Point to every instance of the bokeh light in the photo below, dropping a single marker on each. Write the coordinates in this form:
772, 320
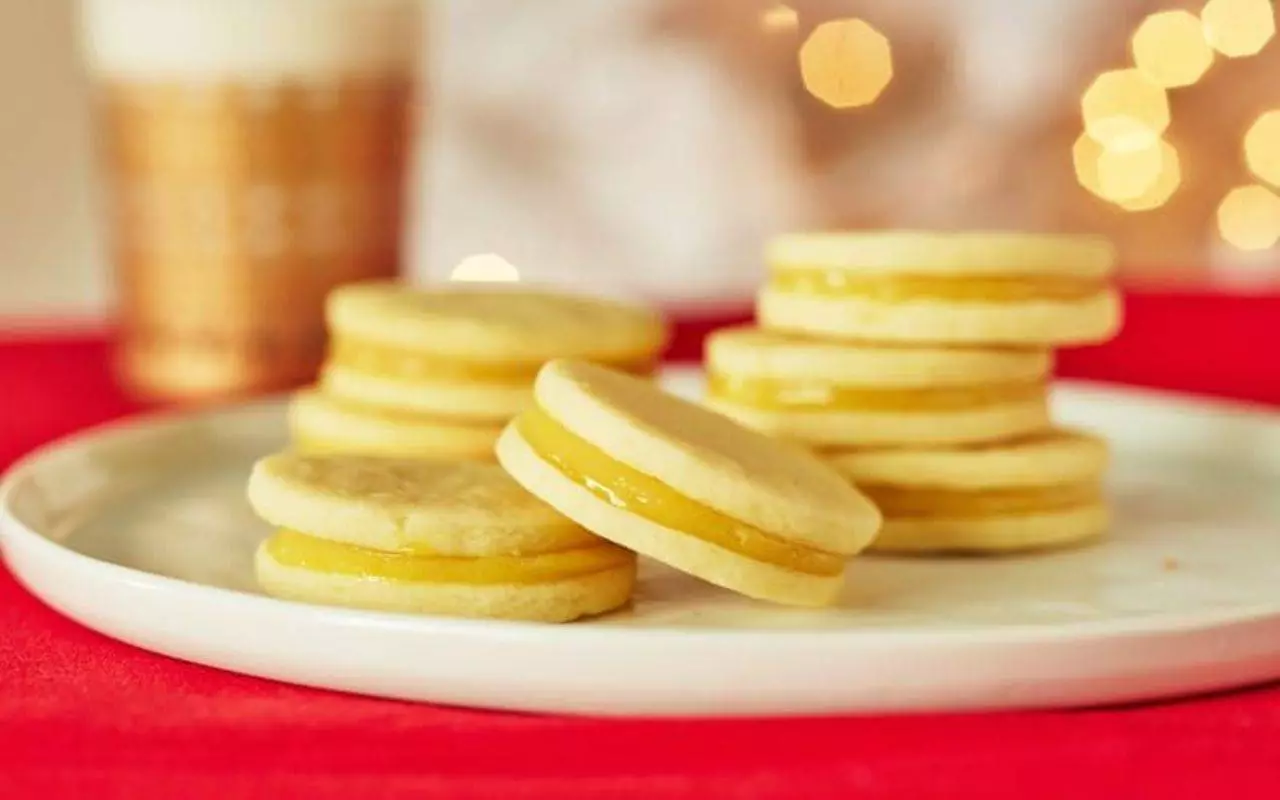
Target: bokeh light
1124, 110
1127, 174
846, 63
1167, 181
1262, 147
779, 19
1134, 180
485, 268
1249, 218
1171, 50
1238, 28
1085, 154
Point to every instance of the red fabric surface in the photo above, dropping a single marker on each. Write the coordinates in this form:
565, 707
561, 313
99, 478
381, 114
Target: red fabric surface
80, 712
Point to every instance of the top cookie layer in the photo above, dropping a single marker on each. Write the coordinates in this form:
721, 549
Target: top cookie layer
776, 487
440, 507
509, 324
945, 254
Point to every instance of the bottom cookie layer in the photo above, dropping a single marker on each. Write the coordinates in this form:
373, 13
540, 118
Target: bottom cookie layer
993, 534
320, 424
552, 601
846, 428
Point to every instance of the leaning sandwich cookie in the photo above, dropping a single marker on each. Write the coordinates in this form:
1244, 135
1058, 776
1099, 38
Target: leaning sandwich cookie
686, 486
942, 288
1041, 492
467, 352
419, 536
831, 394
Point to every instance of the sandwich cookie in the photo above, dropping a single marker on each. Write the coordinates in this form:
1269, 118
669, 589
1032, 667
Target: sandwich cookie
686, 486
471, 352
1036, 493
831, 394
458, 539
321, 424
942, 288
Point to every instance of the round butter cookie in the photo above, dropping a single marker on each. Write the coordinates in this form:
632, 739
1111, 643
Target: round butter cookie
942, 288
471, 352
449, 538
831, 394
1040, 492
686, 486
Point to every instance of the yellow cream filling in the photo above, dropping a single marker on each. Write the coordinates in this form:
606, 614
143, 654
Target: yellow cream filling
818, 395
892, 288
900, 502
321, 555
403, 363
645, 496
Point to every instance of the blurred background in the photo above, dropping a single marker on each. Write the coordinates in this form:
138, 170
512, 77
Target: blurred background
642, 147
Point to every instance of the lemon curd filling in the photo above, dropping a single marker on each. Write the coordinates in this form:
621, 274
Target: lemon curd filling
394, 362
295, 549
900, 502
893, 288
819, 395
645, 496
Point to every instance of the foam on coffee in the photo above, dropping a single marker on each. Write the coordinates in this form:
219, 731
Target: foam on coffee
201, 40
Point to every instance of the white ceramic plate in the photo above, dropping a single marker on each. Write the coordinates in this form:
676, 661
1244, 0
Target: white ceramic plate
141, 531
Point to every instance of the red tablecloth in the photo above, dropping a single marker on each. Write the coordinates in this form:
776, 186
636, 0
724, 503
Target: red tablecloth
79, 711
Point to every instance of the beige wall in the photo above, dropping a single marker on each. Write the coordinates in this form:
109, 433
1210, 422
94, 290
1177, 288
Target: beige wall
49, 259
658, 174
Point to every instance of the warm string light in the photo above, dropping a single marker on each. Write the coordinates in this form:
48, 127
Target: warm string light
1121, 156
1249, 218
1124, 110
485, 268
1171, 49
1238, 28
1134, 180
1127, 174
1166, 182
846, 63
1262, 147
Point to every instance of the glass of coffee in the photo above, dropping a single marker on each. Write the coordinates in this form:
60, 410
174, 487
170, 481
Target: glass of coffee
254, 153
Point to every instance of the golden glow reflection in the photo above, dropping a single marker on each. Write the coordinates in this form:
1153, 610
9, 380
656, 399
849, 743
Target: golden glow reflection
1171, 50
1238, 28
780, 18
485, 268
846, 63
1249, 218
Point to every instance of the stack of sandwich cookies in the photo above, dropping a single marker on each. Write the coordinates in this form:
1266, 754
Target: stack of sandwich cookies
831, 395
974, 288
931, 353
418, 536
1034, 493
687, 487
437, 373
